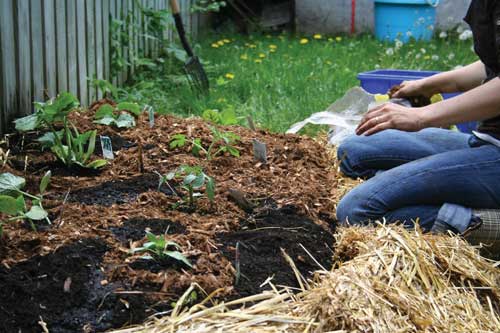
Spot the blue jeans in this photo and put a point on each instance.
(434, 174)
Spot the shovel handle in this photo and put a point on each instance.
(174, 6)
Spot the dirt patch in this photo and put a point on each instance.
(118, 191)
(134, 229)
(260, 245)
(64, 289)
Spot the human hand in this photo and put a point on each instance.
(412, 88)
(390, 116)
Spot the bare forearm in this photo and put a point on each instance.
(480, 103)
(458, 80)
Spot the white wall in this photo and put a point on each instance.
(334, 16)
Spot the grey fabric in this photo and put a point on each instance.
(487, 233)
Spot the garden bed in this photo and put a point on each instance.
(78, 274)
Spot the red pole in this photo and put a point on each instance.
(353, 16)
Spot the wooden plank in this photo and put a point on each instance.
(105, 37)
(120, 75)
(8, 79)
(99, 45)
(125, 47)
(61, 46)
(81, 52)
(37, 54)
(23, 57)
(71, 47)
(147, 41)
(112, 10)
(91, 61)
(50, 53)
(137, 22)
(131, 47)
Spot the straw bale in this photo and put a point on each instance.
(386, 279)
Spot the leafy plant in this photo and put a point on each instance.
(109, 115)
(13, 200)
(205, 6)
(192, 179)
(68, 144)
(161, 249)
(224, 117)
(107, 88)
(222, 142)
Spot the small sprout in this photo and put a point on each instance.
(161, 249)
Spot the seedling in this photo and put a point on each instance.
(13, 200)
(222, 142)
(121, 116)
(193, 178)
(68, 144)
(224, 117)
(161, 249)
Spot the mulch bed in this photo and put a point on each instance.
(78, 274)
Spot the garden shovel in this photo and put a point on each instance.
(194, 69)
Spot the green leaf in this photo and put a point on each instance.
(151, 237)
(20, 203)
(96, 164)
(45, 182)
(210, 188)
(105, 110)
(91, 146)
(105, 121)
(188, 179)
(198, 182)
(178, 256)
(233, 151)
(228, 117)
(170, 175)
(10, 183)
(197, 147)
(37, 213)
(178, 140)
(28, 123)
(211, 116)
(133, 108)
(8, 205)
(49, 138)
(125, 120)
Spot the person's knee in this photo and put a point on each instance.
(349, 209)
(346, 154)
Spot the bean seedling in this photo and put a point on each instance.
(13, 200)
(161, 249)
(222, 142)
(192, 178)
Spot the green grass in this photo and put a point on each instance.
(285, 86)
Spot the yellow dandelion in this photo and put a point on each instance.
(338, 39)
(244, 57)
(304, 41)
(229, 76)
(220, 43)
(427, 57)
(215, 45)
(272, 50)
(317, 36)
(273, 47)
(330, 39)
(258, 61)
(328, 62)
(221, 100)
(227, 41)
(262, 55)
(252, 46)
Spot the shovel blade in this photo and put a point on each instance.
(197, 76)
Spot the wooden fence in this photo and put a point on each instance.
(51, 46)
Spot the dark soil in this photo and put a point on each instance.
(118, 191)
(134, 229)
(64, 289)
(117, 142)
(158, 265)
(259, 249)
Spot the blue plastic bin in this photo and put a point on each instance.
(403, 19)
(380, 81)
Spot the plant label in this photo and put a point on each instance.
(107, 147)
(151, 116)
(251, 124)
(259, 151)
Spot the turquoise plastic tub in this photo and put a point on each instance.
(403, 19)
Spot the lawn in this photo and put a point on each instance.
(281, 79)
